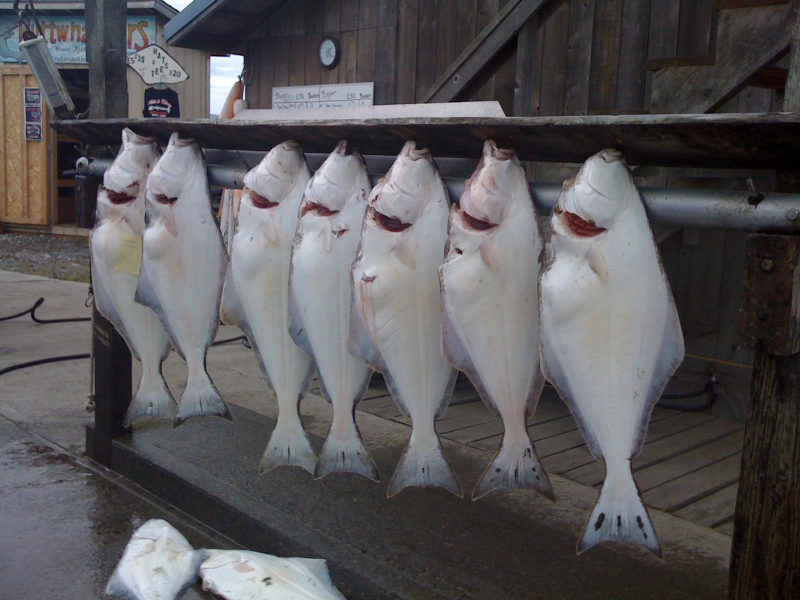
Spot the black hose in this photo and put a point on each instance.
(711, 386)
(32, 311)
(43, 361)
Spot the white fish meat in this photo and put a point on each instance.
(256, 296)
(245, 575)
(395, 323)
(319, 301)
(158, 564)
(490, 310)
(115, 247)
(183, 269)
(610, 334)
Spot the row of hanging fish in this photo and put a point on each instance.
(159, 564)
(328, 276)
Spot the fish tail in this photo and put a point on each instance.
(620, 516)
(152, 399)
(288, 446)
(516, 465)
(201, 398)
(346, 456)
(424, 467)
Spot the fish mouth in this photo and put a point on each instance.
(390, 223)
(164, 199)
(260, 201)
(319, 209)
(578, 226)
(475, 223)
(118, 198)
(500, 153)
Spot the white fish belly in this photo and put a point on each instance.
(138, 324)
(495, 314)
(261, 274)
(602, 340)
(321, 286)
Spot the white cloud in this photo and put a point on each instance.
(224, 72)
(178, 4)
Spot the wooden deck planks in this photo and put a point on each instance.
(715, 510)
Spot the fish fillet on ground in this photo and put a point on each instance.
(490, 310)
(183, 268)
(610, 334)
(319, 301)
(157, 564)
(396, 316)
(256, 296)
(116, 250)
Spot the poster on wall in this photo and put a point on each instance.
(32, 100)
(336, 95)
(66, 37)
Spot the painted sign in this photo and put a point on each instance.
(66, 37)
(32, 100)
(155, 65)
(338, 95)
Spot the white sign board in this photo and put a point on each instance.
(334, 95)
(154, 65)
(66, 37)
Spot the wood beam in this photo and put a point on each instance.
(748, 40)
(480, 52)
(791, 98)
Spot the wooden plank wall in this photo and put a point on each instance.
(25, 168)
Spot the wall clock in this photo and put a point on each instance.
(329, 53)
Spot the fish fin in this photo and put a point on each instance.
(201, 398)
(420, 468)
(536, 391)
(346, 456)
(152, 399)
(454, 353)
(360, 344)
(297, 330)
(551, 369)
(515, 466)
(146, 295)
(404, 253)
(117, 587)
(288, 446)
(169, 221)
(231, 311)
(669, 359)
(597, 262)
(489, 253)
(328, 233)
(268, 228)
(105, 306)
(619, 516)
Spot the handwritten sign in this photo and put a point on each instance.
(155, 65)
(129, 254)
(339, 95)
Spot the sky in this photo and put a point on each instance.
(224, 70)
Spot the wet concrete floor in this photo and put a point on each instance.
(65, 522)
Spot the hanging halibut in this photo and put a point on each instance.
(183, 268)
(116, 249)
(490, 310)
(395, 323)
(256, 297)
(319, 300)
(610, 335)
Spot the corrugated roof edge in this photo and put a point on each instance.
(174, 29)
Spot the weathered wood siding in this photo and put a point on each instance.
(25, 167)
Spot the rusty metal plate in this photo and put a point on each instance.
(770, 309)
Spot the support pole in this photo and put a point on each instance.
(106, 26)
(765, 555)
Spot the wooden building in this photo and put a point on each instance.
(35, 192)
(543, 58)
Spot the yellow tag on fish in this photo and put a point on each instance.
(129, 254)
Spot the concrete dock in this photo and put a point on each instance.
(203, 478)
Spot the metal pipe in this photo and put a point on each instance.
(681, 207)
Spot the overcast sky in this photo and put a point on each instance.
(224, 70)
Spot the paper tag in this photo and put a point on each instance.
(129, 254)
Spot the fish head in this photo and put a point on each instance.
(342, 180)
(488, 194)
(276, 176)
(591, 201)
(182, 164)
(124, 181)
(401, 198)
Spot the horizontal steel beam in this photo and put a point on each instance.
(680, 207)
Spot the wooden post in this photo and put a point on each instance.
(106, 27)
(765, 556)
